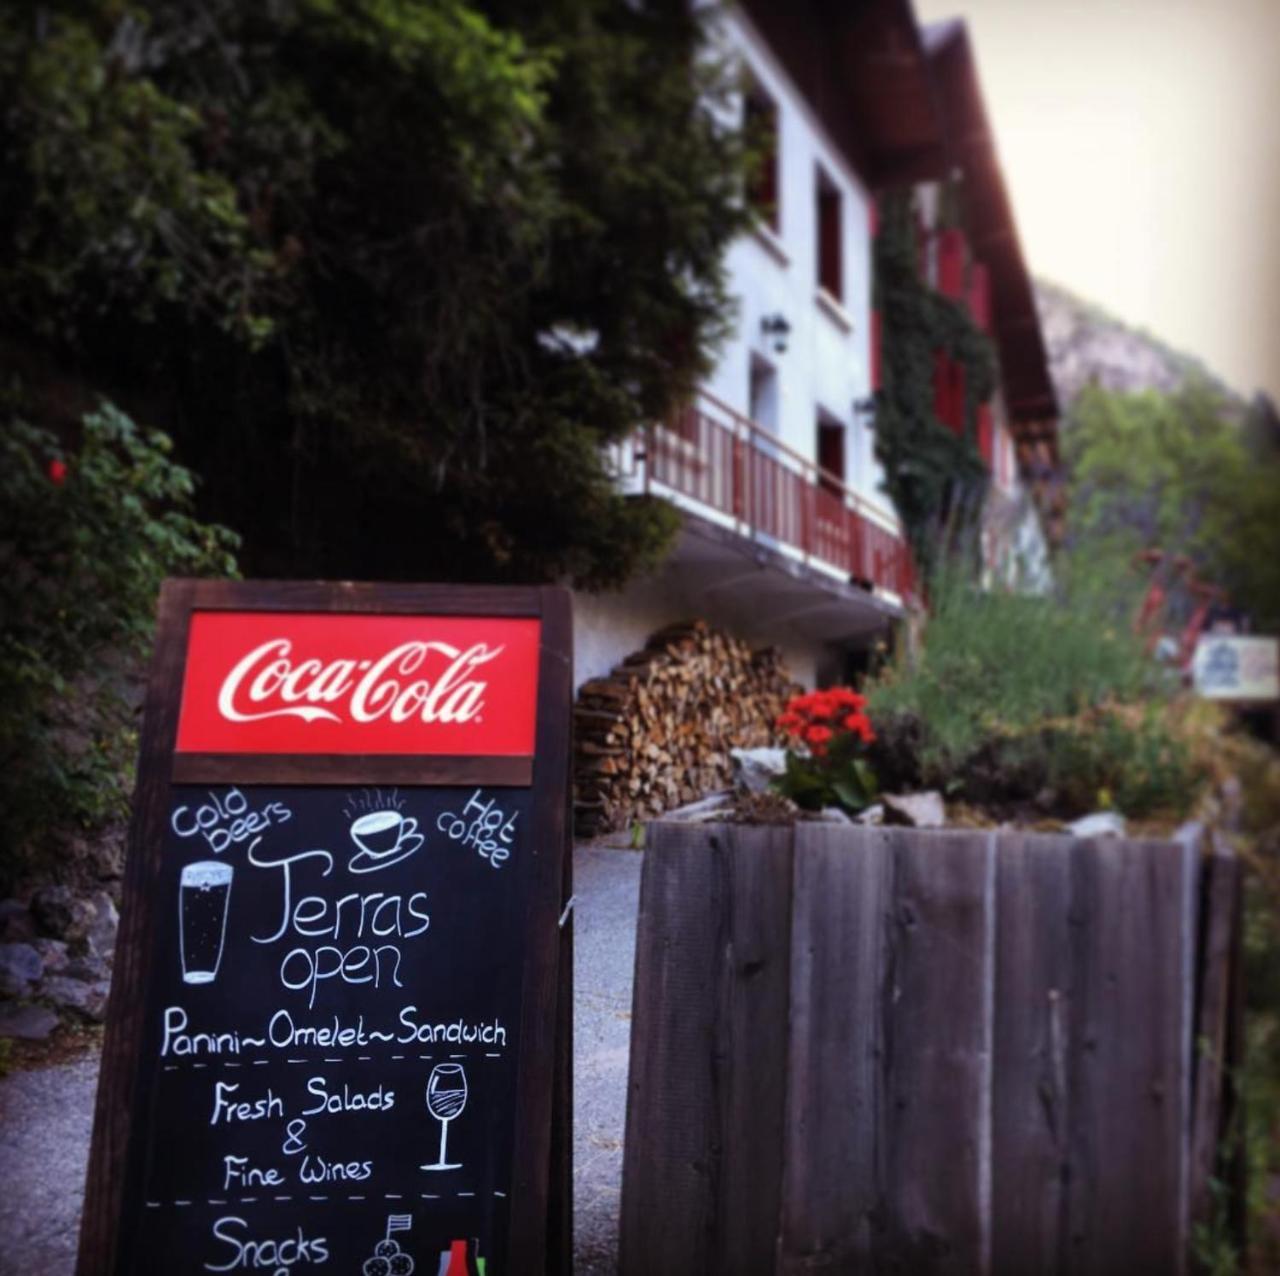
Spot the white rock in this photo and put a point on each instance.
(919, 810)
(53, 952)
(710, 807)
(30, 1023)
(753, 769)
(20, 966)
(104, 927)
(88, 999)
(872, 815)
(1099, 824)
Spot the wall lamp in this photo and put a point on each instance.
(865, 406)
(777, 330)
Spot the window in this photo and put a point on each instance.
(763, 405)
(760, 118)
(831, 455)
(830, 261)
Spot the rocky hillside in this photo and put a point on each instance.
(1088, 345)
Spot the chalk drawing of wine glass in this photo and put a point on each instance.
(204, 892)
(384, 838)
(446, 1097)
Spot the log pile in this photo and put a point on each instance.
(656, 733)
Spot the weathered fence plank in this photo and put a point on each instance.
(936, 1110)
(1219, 924)
(830, 1182)
(895, 1051)
(1030, 1118)
(1129, 1039)
(751, 1067)
(703, 1158)
(673, 1029)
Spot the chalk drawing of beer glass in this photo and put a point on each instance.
(446, 1097)
(204, 892)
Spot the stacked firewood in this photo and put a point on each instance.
(656, 733)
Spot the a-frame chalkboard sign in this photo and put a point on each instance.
(337, 1038)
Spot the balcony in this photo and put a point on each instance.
(721, 467)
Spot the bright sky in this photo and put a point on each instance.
(1141, 145)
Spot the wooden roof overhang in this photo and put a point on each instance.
(862, 69)
(969, 146)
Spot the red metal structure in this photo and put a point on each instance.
(1174, 575)
(720, 459)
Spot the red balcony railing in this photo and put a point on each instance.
(719, 458)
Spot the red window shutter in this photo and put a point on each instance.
(951, 263)
(980, 296)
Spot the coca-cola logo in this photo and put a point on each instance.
(307, 682)
(269, 683)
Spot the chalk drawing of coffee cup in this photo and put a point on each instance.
(204, 892)
(384, 838)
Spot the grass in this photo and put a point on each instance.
(1018, 697)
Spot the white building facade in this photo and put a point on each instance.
(788, 539)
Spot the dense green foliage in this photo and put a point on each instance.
(937, 480)
(1025, 698)
(390, 271)
(84, 544)
(1175, 471)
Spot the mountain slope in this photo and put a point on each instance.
(1087, 345)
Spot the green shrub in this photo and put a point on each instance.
(1019, 696)
(85, 540)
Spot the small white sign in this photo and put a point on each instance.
(1229, 667)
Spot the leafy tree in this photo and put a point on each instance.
(392, 272)
(1178, 472)
(85, 539)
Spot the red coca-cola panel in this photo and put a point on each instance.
(302, 682)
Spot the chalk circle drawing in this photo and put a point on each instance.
(383, 835)
(388, 1258)
(446, 1097)
(204, 893)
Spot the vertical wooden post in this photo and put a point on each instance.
(702, 1166)
(831, 1184)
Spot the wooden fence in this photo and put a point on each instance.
(865, 1050)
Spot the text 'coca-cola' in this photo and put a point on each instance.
(290, 682)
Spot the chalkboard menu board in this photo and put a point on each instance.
(333, 1040)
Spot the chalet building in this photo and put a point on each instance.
(788, 537)
(976, 261)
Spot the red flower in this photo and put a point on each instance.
(860, 725)
(817, 735)
(57, 471)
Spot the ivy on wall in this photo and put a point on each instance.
(937, 479)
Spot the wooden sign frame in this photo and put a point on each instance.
(540, 1228)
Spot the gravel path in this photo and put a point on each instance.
(607, 887)
(46, 1115)
(45, 1119)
